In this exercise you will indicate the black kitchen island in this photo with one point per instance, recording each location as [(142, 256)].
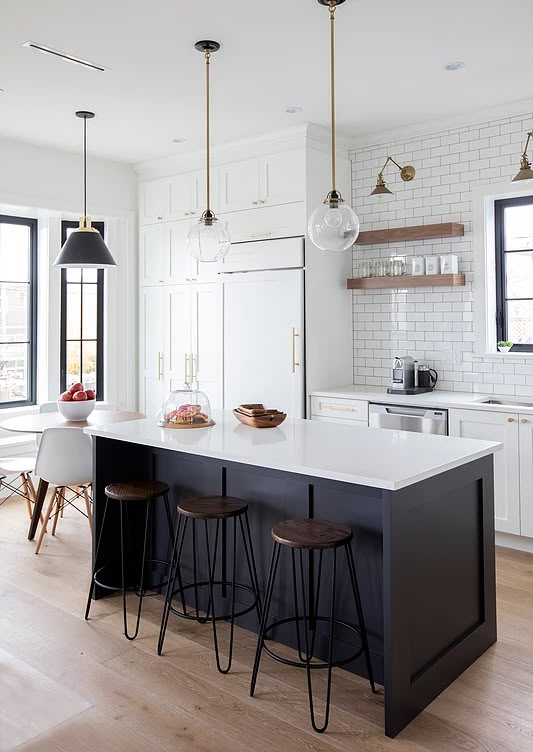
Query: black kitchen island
[(421, 508)]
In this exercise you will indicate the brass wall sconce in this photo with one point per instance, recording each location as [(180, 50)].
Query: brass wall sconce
[(407, 173), (525, 172)]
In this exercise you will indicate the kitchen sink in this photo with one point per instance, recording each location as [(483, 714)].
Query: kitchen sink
[(510, 402)]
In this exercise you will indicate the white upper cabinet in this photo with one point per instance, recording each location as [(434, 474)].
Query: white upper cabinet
[(282, 178), (276, 179), (239, 185), (153, 255), (283, 221), (154, 201), (180, 197)]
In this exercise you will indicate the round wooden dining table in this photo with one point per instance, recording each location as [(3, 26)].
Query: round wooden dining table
[(39, 422)]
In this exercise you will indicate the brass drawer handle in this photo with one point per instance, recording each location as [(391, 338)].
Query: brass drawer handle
[(295, 363), (159, 366), (524, 420), (260, 234), (338, 408)]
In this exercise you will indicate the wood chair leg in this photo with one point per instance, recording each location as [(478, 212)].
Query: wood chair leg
[(88, 507), (48, 512), (27, 495), (33, 494), (59, 505)]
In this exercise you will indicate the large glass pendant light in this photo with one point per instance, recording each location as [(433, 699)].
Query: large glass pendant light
[(334, 226), (85, 247), (208, 239)]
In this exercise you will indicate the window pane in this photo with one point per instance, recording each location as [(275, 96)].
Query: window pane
[(519, 275), (73, 275), (520, 322), (14, 313), (14, 252), (89, 311), (89, 365), (90, 275), (73, 311), (518, 227), (73, 363), (14, 374)]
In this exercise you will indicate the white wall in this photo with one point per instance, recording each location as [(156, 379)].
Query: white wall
[(47, 184), (435, 325)]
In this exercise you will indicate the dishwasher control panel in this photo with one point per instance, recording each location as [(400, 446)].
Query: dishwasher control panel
[(408, 418)]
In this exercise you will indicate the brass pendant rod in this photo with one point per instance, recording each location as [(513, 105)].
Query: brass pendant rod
[(529, 135), (207, 123), (84, 167), (332, 6)]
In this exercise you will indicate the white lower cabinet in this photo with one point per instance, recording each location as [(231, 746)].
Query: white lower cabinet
[(509, 464)]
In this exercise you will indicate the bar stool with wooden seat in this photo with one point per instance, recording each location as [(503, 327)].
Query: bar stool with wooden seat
[(219, 511), (132, 493), (316, 537)]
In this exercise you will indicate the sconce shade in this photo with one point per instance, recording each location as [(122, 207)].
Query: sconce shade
[(525, 172), (380, 189)]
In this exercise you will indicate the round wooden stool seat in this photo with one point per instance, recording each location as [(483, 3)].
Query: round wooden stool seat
[(311, 534), (136, 490), (212, 507)]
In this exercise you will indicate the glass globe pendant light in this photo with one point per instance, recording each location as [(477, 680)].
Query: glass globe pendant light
[(208, 239), (334, 226), (85, 247)]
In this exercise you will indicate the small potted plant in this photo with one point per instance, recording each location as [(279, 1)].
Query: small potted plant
[(504, 346)]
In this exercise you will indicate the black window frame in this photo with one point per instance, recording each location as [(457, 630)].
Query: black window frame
[(32, 224), (100, 281), (501, 309)]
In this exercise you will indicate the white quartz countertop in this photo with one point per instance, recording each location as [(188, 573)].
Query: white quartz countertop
[(438, 398), (367, 456)]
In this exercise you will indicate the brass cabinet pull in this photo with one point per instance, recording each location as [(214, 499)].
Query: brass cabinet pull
[(260, 234), (160, 217), (186, 368), (510, 420), (254, 203), (524, 420), (159, 366), (338, 408), (262, 201), (194, 367), (295, 363)]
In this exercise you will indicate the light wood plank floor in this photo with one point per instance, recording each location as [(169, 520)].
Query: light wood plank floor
[(69, 685)]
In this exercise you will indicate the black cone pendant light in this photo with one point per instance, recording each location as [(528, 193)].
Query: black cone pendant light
[(85, 247)]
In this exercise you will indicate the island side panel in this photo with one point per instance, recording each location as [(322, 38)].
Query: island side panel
[(439, 585)]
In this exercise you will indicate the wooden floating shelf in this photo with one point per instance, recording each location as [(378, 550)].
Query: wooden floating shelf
[(407, 280), (420, 232)]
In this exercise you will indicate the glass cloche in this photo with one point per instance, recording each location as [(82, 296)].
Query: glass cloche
[(186, 408)]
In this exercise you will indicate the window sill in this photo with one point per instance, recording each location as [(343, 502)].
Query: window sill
[(527, 355)]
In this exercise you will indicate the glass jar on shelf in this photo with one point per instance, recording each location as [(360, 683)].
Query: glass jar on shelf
[(186, 408)]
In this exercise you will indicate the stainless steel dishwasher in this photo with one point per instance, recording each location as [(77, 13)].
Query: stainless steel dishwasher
[(405, 418)]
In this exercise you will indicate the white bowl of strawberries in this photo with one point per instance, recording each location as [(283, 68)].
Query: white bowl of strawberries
[(77, 403)]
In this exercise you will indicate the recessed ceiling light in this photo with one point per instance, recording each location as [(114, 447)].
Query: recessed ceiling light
[(63, 55), (457, 65), (178, 140), (294, 110)]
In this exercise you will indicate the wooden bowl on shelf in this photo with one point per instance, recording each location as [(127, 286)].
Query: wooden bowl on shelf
[(267, 419)]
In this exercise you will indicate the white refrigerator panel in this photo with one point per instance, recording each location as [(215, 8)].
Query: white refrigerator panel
[(263, 340)]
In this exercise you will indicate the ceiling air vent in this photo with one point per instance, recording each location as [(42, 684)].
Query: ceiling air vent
[(63, 56)]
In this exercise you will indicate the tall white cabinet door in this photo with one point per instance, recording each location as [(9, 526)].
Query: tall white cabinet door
[(526, 475), (283, 177), (239, 185), (263, 340), (152, 345), (180, 261), (154, 255), (206, 340), (502, 427), (178, 360)]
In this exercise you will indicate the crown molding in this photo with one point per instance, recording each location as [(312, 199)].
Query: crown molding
[(523, 107)]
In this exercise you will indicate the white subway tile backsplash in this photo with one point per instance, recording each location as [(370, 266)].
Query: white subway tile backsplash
[(434, 325)]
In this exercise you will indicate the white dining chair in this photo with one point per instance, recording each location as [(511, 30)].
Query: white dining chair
[(64, 460), (15, 476), (48, 407)]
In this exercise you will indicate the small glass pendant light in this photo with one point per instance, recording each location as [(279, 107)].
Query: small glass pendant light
[(85, 247), (208, 239), (334, 226)]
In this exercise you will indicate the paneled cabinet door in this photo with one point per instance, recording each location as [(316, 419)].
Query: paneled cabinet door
[(239, 185), (152, 345), (502, 427), (282, 178), (526, 475), (199, 195), (180, 196), (206, 340), (177, 336), (182, 265), (154, 255), (155, 201)]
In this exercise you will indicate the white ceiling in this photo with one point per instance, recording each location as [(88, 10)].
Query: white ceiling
[(274, 54)]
